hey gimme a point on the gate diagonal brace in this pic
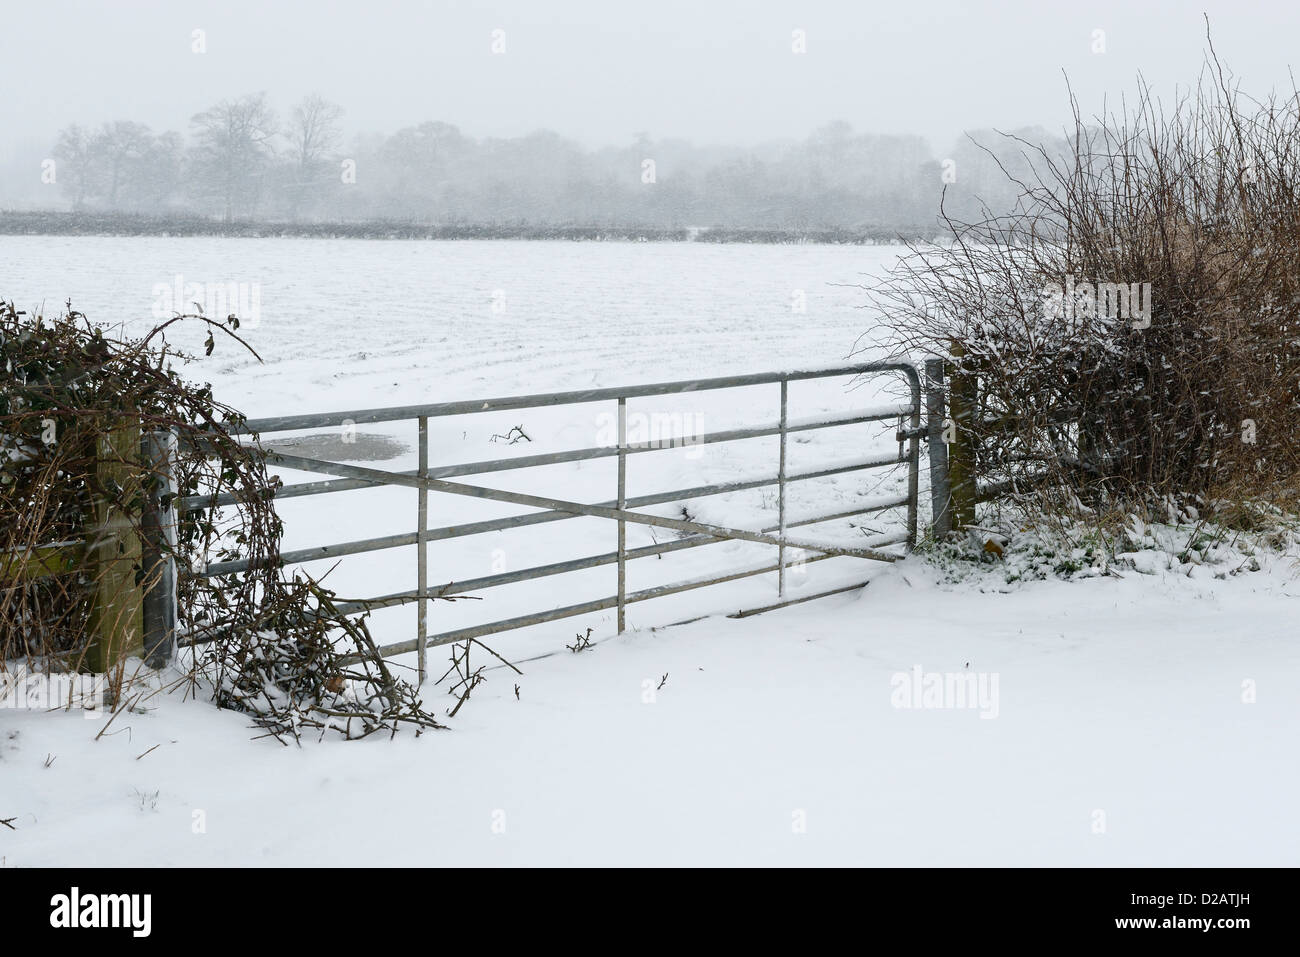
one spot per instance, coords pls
(577, 508)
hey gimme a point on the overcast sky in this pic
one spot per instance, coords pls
(599, 71)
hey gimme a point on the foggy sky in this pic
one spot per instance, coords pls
(600, 71)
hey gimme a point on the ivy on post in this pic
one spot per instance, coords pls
(113, 553)
(962, 403)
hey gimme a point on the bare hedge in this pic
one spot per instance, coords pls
(1134, 324)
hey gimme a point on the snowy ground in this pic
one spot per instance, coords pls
(1121, 731)
(1119, 697)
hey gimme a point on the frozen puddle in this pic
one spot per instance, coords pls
(338, 447)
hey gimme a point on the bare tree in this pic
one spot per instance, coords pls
(76, 157)
(119, 148)
(159, 173)
(232, 150)
(312, 132)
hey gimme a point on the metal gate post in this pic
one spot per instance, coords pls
(940, 494)
(913, 469)
(622, 504)
(780, 494)
(422, 557)
(157, 547)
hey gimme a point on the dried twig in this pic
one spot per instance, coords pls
(582, 643)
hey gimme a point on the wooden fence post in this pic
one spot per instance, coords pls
(113, 553)
(962, 404)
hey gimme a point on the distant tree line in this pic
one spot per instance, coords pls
(241, 162)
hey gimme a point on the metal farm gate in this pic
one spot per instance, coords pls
(430, 477)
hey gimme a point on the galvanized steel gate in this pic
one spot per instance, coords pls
(430, 478)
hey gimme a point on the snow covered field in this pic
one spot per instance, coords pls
(352, 325)
(1111, 724)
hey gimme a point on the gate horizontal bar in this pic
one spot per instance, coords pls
(286, 423)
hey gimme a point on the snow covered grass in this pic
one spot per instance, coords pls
(1229, 539)
(1142, 721)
